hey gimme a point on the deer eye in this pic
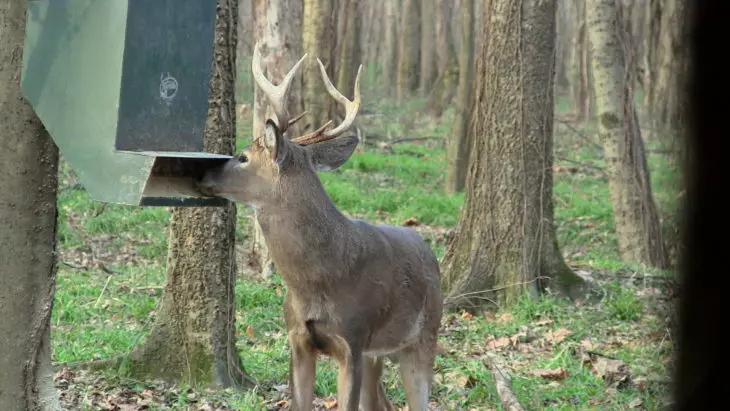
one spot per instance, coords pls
(242, 158)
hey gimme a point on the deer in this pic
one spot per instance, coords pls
(355, 291)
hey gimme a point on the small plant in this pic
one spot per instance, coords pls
(623, 303)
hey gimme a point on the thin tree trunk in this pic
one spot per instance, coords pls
(428, 47)
(409, 50)
(636, 216)
(350, 54)
(448, 69)
(29, 170)
(318, 40)
(193, 338)
(506, 243)
(389, 58)
(457, 152)
(277, 26)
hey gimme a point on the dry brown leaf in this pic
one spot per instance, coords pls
(330, 403)
(505, 317)
(281, 403)
(554, 374)
(250, 332)
(587, 344)
(466, 316)
(546, 321)
(496, 343)
(614, 372)
(411, 222)
(635, 403)
(555, 336)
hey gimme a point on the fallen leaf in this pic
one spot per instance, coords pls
(412, 222)
(467, 316)
(281, 403)
(587, 344)
(250, 332)
(504, 317)
(331, 403)
(500, 342)
(554, 374)
(635, 403)
(614, 372)
(555, 336)
(546, 321)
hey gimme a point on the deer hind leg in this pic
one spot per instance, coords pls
(416, 369)
(302, 365)
(372, 394)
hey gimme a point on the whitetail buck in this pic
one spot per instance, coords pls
(355, 291)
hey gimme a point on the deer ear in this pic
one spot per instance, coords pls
(274, 142)
(329, 155)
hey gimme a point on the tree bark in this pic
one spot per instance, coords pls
(29, 170)
(635, 214)
(581, 88)
(505, 243)
(457, 152)
(409, 49)
(350, 56)
(193, 339)
(389, 57)
(428, 47)
(277, 26)
(664, 64)
(446, 62)
(318, 40)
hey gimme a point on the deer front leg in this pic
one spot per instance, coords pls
(302, 370)
(372, 394)
(416, 369)
(349, 380)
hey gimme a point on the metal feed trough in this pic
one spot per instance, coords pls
(122, 87)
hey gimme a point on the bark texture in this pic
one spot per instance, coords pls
(579, 70)
(457, 151)
(447, 65)
(428, 47)
(193, 339)
(318, 39)
(409, 49)
(350, 55)
(29, 170)
(389, 57)
(277, 26)
(505, 243)
(635, 214)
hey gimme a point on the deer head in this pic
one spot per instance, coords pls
(257, 174)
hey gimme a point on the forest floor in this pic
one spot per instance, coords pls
(613, 354)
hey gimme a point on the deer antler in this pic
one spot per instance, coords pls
(276, 95)
(351, 108)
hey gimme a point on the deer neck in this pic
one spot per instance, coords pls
(307, 236)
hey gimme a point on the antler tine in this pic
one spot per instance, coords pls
(275, 94)
(351, 109)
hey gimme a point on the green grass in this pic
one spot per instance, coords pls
(113, 268)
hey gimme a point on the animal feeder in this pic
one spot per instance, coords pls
(122, 87)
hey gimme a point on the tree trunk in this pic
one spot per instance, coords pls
(582, 95)
(446, 62)
(428, 47)
(389, 57)
(562, 47)
(664, 64)
(505, 243)
(409, 50)
(637, 221)
(457, 152)
(277, 26)
(29, 170)
(193, 339)
(318, 40)
(350, 56)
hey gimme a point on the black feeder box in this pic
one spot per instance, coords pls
(122, 87)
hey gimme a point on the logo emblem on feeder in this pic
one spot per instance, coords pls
(168, 87)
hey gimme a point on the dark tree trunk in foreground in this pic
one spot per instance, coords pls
(193, 339)
(457, 152)
(505, 243)
(28, 183)
(635, 213)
